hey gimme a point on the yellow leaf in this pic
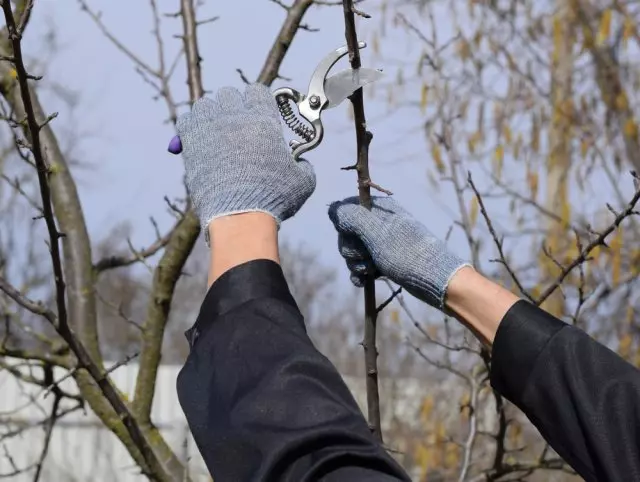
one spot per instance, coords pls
(13, 73)
(473, 211)
(624, 346)
(631, 128)
(424, 97)
(375, 44)
(532, 181)
(506, 131)
(498, 160)
(477, 39)
(420, 65)
(437, 158)
(616, 253)
(587, 38)
(535, 134)
(517, 146)
(605, 27)
(627, 30)
(394, 315)
(635, 262)
(584, 147)
(463, 49)
(464, 107)
(452, 456)
(558, 38)
(622, 103)
(565, 213)
(473, 141)
(426, 408)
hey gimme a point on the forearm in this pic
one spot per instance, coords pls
(479, 303)
(240, 238)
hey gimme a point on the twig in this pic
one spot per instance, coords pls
(363, 140)
(391, 297)
(473, 430)
(111, 262)
(50, 423)
(628, 211)
(497, 241)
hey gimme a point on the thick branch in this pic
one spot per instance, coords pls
(63, 195)
(283, 41)
(190, 41)
(363, 139)
(61, 188)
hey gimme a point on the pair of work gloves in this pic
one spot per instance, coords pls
(237, 161)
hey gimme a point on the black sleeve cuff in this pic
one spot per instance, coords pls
(260, 278)
(522, 335)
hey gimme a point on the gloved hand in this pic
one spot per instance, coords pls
(237, 160)
(387, 241)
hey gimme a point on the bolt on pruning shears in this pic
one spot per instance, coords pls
(324, 93)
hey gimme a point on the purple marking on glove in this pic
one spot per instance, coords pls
(175, 146)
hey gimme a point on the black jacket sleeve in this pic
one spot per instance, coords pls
(583, 398)
(261, 402)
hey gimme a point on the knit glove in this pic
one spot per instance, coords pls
(237, 160)
(387, 241)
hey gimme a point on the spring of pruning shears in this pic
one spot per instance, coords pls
(324, 93)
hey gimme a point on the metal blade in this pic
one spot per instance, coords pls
(341, 85)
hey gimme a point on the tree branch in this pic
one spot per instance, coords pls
(62, 193)
(363, 140)
(628, 211)
(283, 41)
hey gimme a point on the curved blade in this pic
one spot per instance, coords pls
(341, 85)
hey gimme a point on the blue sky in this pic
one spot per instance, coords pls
(123, 134)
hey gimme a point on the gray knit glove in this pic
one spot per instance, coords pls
(237, 160)
(387, 241)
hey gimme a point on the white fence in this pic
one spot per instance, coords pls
(81, 449)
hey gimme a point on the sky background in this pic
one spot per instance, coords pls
(122, 134)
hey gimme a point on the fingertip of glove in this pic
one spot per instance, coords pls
(258, 97)
(229, 99)
(358, 281)
(203, 107)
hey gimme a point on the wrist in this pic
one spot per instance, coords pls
(240, 238)
(478, 303)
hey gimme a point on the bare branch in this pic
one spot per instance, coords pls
(628, 211)
(62, 326)
(283, 40)
(363, 140)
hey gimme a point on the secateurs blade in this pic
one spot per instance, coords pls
(324, 93)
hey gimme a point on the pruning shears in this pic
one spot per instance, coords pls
(323, 93)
